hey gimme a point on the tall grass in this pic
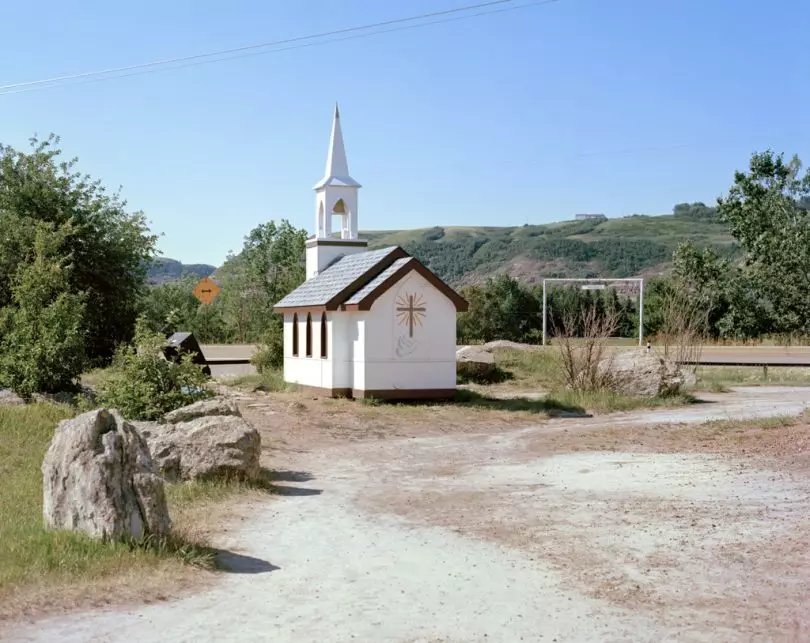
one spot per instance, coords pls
(32, 555)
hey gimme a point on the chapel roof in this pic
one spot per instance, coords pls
(357, 280)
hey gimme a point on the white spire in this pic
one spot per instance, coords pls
(337, 167)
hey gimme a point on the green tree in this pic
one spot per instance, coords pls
(109, 247)
(172, 307)
(41, 328)
(270, 266)
(502, 308)
(765, 212)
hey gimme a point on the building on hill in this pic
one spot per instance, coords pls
(586, 216)
(366, 323)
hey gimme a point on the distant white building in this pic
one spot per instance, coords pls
(366, 323)
(583, 217)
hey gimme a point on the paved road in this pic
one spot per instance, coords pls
(730, 355)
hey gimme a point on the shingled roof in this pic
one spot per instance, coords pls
(326, 288)
(355, 281)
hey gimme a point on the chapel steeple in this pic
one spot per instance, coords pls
(335, 195)
(336, 192)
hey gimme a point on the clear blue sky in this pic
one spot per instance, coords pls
(614, 106)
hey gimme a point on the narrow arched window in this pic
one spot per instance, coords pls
(309, 335)
(324, 334)
(295, 335)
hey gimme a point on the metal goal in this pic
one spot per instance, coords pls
(599, 284)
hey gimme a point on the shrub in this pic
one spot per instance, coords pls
(42, 330)
(270, 356)
(143, 385)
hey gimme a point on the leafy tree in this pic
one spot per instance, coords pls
(172, 307)
(765, 212)
(41, 328)
(109, 247)
(503, 308)
(270, 266)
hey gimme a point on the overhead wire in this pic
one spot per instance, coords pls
(490, 7)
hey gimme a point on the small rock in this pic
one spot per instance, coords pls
(475, 362)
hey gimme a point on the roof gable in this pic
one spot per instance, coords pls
(364, 298)
(341, 280)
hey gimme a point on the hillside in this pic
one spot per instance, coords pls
(638, 245)
(163, 270)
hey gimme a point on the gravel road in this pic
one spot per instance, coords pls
(479, 538)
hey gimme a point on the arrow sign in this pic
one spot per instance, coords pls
(206, 291)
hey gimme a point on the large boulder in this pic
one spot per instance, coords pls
(475, 363)
(10, 398)
(207, 440)
(638, 373)
(98, 478)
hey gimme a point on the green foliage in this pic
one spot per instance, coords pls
(109, 249)
(270, 266)
(143, 385)
(42, 327)
(696, 211)
(765, 212)
(270, 356)
(502, 308)
(768, 292)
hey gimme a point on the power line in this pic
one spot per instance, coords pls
(348, 33)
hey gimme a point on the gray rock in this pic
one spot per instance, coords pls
(10, 398)
(205, 448)
(98, 478)
(475, 362)
(637, 373)
(213, 407)
(507, 344)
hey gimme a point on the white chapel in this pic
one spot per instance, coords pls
(366, 323)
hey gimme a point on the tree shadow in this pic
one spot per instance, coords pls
(268, 480)
(289, 476)
(548, 406)
(228, 561)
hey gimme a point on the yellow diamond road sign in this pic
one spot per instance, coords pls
(206, 291)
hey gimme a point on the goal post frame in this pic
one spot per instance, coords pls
(638, 280)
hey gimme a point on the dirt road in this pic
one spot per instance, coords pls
(570, 530)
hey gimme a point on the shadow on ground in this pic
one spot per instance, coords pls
(228, 561)
(269, 479)
(549, 406)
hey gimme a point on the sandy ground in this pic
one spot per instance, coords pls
(586, 529)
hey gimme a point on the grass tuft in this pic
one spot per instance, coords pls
(269, 381)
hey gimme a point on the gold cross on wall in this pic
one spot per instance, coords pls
(410, 310)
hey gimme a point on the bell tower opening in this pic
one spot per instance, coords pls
(336, 194)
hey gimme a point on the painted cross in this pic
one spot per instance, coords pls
(410, 311)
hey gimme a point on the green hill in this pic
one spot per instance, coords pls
(638, 245)
(163, 269)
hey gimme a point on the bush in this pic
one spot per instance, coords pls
(270, 356)
(143, 385)
(42, 330)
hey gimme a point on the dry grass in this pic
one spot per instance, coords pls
(725, 376)
(42, 570)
